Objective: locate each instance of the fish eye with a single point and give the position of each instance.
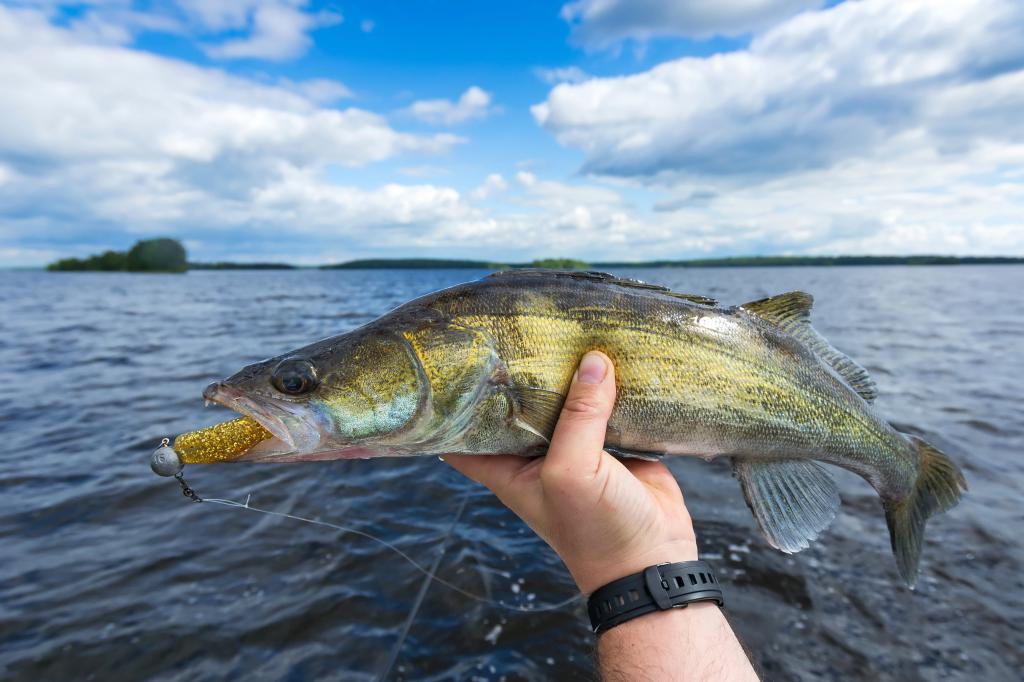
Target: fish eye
(294, 376)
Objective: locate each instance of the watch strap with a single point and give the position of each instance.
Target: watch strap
(656, 588)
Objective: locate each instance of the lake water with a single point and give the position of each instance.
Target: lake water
(107, 572)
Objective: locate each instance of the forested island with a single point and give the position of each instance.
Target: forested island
(146, 255)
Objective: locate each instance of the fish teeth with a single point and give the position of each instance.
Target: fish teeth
(206, 403)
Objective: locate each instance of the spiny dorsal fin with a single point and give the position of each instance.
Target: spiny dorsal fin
(792, 314)
(793, 500)
(607, 278)
(640, 284)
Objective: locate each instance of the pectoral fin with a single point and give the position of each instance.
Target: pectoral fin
(536, 409)
(793, 500)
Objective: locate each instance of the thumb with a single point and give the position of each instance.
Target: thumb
(578, 441)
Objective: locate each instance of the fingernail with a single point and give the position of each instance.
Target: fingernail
(592, 369)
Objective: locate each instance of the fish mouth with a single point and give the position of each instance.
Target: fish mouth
(288, 422)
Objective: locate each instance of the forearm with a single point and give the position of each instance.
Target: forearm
(694, 643)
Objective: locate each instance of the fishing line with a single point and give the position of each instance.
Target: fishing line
(397, 648)
(427, 572)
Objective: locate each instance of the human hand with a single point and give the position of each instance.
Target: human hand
(605, 518)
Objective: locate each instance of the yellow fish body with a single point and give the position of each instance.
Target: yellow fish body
(483, 368)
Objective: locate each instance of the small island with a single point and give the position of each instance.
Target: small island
(147, 255)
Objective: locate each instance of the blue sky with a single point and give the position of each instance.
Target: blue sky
(316, 132)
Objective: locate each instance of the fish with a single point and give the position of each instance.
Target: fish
(484, 367)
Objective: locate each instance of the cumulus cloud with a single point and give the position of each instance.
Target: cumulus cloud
(274, 30)
(870, 127)
(916, 205)
(474, 103)
(852, 82)
(423, 171)
(97, 136)
(277, 31)
(874, 127)
(602, 23)
(318, 90)
(493, 184)
(563, 74)
(62, 99)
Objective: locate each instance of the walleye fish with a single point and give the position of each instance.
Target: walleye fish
(484, 368)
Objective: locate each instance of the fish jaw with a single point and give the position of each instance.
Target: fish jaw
(294, 426)
(257, 454)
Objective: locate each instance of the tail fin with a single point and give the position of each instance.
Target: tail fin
(938, 487)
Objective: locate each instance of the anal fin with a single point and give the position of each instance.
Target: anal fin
(793, 500)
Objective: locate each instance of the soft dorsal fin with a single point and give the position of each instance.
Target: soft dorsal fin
(792, 314)
(783, 310)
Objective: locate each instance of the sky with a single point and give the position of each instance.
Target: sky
(315, 132)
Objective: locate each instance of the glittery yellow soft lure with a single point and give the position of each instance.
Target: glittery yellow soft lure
(483, 368)
(220, 442)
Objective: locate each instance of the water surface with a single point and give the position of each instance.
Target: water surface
(107, 572)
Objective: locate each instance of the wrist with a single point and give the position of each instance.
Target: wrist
(591, 573)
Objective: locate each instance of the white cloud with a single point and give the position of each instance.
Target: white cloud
(474, 103)
(273, 30)
(562, 197)
(492, 184)
(602, 23)
(367, 25)
(105, 137)
(855, 81)
(919, 204)
(318, 90)
(64, 100)
(563, 74)
(319, 205)
(117, 23)
(423, 171)
(845, 131)
(871, 127)
(279, 31)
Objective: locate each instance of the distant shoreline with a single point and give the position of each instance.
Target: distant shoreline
(572, 264)
(750, 261)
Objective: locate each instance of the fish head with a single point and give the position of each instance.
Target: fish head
(332, 399)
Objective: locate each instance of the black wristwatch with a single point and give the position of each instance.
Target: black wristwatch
(656, 588)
